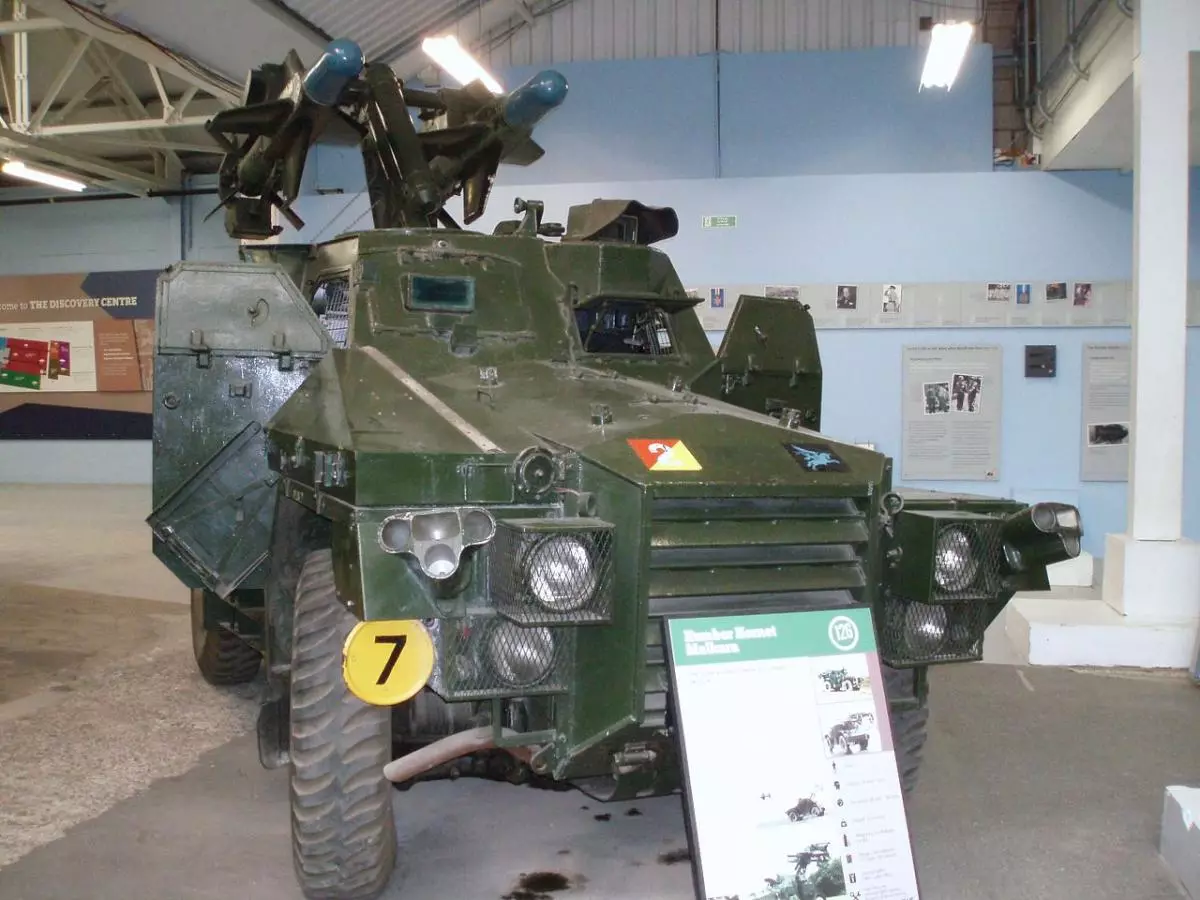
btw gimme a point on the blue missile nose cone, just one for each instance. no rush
(536, 97)
(345, 57)
(341, 62)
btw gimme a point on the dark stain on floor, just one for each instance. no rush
(538, 886)
(674, 856)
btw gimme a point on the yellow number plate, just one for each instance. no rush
(385, 662)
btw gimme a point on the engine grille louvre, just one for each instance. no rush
(747, 554)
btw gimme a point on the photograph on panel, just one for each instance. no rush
(937, 397)
(1108, 434)
(999, 291)
(847, 296)
(811, 872)
(1023, 294)
(850, 728)
(966, 390)
(782, 291)
(1056, 290)
(841, 678)
(790, 797)
(1083, 293)
(892, 294)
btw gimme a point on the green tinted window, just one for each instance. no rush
(438, 293)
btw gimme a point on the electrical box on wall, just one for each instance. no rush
(1041, 360)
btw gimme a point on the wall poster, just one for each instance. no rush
(1107, 375)
(983, 304)
(950, 407)
(812, 806)
(77, 355)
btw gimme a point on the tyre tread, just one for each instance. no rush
(343, 832)
(910, 728)
(227, 660)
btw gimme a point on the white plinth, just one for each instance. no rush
(1179, 839)
(1151, 580)
(1080, 629)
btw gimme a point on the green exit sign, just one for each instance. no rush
(720, 221)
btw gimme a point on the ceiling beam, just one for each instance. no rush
(306, 28)
(23, 26)
(138, 111)
(121, 38)
(150, 143)
(124, 125)
(68, 69)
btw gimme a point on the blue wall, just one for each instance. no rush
(98, 236)
(838, 169)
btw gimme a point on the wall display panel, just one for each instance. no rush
(76, 355)
(1107, 411)
(998, 304)
(951, 404)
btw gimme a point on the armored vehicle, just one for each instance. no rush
(440, 488)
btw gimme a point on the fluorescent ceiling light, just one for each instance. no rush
(18, 169)
(448, 53)
(947, 49)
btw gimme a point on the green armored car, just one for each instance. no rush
(439, 488)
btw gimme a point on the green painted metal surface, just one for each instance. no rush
(466, 387)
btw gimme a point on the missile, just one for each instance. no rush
(528, 104)
(341, 63)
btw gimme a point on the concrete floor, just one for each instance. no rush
(123, 775)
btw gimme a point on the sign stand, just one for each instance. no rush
(790, 784)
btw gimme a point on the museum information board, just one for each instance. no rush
(792, 787)
(1106, 407)
(77, 354)
(951, 403)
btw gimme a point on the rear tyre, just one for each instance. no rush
(910, 727)
(343, 833)
(222, 657)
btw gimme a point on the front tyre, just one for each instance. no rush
(343, 833)
(222, 657)
(910, 727)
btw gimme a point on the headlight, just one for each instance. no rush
(925, 628)
(551, 571)
(955, 563)
(520, 657)
(561, 576)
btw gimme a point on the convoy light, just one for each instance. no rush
(436, 538)
(1041, 535)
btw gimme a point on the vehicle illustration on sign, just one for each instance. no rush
(852, 734)
(805, 808)
(437, 489)
(841, 680)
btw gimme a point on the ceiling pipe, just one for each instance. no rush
(92, 198)
(1065, 70)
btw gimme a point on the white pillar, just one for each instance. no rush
(1151, 573)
